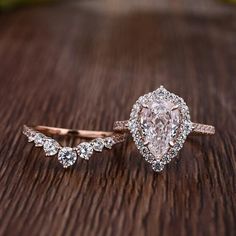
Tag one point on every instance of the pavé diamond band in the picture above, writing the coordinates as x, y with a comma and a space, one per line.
67, 156
123, 126
160, 123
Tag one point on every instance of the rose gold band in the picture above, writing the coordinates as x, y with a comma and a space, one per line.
86, 134
122, 126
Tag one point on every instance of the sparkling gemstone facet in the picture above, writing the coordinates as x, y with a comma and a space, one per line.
158, 166
67, 156
98, 144
39, 139
159, 122
109, 142
29, 133
31, 136
51, 147
85, 150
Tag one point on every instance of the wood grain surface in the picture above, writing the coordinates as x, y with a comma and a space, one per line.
83, 65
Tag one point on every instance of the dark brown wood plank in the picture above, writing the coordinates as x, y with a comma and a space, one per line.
83, 66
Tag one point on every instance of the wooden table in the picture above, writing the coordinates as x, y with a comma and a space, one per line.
83, 65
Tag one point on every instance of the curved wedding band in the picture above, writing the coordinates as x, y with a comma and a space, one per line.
67, 156
160, 123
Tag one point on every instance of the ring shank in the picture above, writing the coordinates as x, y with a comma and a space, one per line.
78, 133
203, 129
86, 134
123, 126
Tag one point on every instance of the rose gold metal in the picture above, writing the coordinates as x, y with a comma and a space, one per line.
87, 134
75, 132
122, 126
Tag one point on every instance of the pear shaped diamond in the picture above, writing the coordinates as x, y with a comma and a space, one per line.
159, 123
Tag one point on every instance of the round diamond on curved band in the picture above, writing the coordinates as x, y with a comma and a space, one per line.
160, 123
67, 156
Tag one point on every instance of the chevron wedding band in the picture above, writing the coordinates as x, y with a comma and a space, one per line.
67, 156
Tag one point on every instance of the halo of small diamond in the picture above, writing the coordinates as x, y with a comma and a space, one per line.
184, 128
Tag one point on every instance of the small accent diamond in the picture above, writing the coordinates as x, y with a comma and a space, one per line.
144, 151
85, 150
149, 158
51, 147
109, 142
173, 152
67, 156
29, 133
31, 137
39, 139
158, 166
98, 144
166, 158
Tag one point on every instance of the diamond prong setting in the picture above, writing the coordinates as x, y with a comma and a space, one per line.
98, 144
51, 147
67, 156
85, 150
